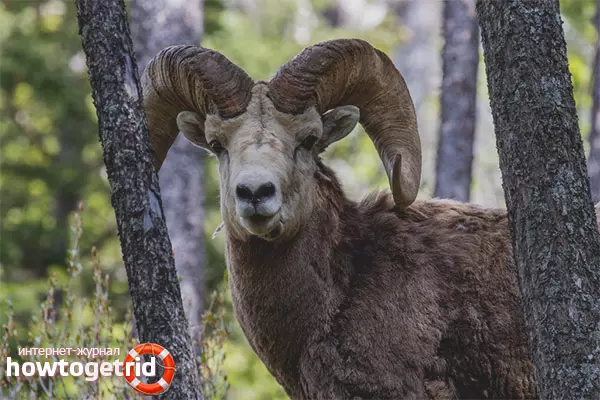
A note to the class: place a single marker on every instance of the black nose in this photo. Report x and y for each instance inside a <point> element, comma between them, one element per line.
<point>255,194</point>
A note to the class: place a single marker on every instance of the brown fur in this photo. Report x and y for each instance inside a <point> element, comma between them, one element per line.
<point>369,301</point>
<point>343,300</point>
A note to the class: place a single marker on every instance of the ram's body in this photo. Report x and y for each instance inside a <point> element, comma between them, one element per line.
<point>391,298</point>
<point>375,302</point>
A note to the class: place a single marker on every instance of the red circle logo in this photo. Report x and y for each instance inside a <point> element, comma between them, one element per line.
<point>168,364</point>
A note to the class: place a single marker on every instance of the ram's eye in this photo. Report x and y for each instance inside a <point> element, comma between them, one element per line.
<point>216,146</point>
<point>309,142</point>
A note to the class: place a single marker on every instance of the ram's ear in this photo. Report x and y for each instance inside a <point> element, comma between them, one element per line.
<point>192,126</point>
<point>337,124</point>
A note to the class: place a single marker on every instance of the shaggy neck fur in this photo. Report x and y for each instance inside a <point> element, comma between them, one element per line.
<point>284,294</point>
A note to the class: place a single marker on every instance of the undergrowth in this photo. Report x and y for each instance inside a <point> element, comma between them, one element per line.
<point>65,320</point>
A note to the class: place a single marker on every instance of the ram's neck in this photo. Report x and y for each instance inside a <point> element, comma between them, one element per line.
<point>285,294</point>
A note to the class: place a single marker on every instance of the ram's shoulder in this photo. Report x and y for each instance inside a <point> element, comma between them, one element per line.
<point>441,212</point>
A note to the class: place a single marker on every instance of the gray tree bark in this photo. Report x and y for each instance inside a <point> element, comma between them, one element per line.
<point>594,159</point>
<point>555,238</point>
<point>156,24</point>
<point>458,101</point>
<point>135,194</point>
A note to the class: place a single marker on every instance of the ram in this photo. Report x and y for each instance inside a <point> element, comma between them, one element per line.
<point>389,298</point>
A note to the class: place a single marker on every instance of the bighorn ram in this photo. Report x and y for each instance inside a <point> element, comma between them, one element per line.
<point>389,298</point>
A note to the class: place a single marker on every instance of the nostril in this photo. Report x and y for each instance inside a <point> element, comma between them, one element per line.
<point>265,190</point>
<point>243,192</point>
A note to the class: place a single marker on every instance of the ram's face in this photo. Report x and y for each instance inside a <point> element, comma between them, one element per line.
<point>268,163</point>
<point>267,136</point>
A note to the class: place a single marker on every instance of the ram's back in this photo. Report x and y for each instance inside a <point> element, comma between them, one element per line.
<point>484,343</point>
<point>444,281</point>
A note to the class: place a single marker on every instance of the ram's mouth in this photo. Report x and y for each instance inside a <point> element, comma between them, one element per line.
<point>266,227</point>
<point>259,220</point>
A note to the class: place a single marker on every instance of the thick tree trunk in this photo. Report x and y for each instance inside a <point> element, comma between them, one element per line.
<point>156,24</point>
<point>594,160</point>
<point>458,101</point>
<point>555,238</point>
<point>135,194</point>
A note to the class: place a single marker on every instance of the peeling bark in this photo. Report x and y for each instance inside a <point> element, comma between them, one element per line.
<point>156,24</point>
<point>135,193</point>
<point>555,237</point>
<point>458,101</point>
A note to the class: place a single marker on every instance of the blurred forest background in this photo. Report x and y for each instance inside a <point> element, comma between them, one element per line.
<point>51,157</point>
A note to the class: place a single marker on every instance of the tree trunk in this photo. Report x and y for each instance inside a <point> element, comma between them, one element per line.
<point>156,24</point>
<point>458,102</point>
<point>594,160</point>
<point>555,238</point>
<point>135,193</point>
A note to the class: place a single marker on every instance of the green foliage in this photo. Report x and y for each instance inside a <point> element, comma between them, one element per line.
<point>65,320</point>
<point>49,153</point>
<point>264,39</point>
<point>212,16</point>
<point>581,14</point>
<point>581,35</point>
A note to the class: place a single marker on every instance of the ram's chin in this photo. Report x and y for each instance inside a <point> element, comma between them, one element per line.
<point>268,228</point>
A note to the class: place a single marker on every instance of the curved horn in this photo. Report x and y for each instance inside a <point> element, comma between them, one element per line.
<point>189,78</point>
<point>352,72</point>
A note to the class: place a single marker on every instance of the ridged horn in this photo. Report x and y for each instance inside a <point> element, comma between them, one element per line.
<point>352,72</point>
<point>189,78</point>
